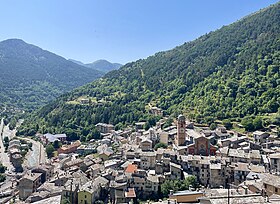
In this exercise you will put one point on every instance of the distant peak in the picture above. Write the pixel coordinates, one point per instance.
(103, 65)
(13, 40)
(101, 60)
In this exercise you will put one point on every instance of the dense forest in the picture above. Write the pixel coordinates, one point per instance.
(231, 73)
(31, 76)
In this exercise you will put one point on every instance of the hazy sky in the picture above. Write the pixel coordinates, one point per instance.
(117, 30)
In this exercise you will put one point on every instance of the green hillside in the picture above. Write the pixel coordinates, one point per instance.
(31, 76)
(229, 73)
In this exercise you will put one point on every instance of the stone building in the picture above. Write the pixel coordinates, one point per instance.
(28, 184)
(104, 128)
(202, 146)
(146, 145)
(181, 131)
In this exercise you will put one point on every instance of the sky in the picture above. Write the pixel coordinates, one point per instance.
(117, 30)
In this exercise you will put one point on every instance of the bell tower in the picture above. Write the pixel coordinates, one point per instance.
(181, 130)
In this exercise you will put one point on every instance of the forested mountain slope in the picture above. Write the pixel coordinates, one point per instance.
(229, 73)
(30, 76)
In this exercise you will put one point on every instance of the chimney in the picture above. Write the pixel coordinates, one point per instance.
(246, 190)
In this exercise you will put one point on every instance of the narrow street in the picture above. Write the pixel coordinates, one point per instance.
(5, 161)
(4, 158)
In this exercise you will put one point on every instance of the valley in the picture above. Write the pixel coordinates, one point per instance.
(199, 123)
(230, 74)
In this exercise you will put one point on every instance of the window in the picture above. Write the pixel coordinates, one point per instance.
(276, 190)
(85, 196)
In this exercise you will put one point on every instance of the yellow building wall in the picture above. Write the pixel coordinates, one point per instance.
(104, 157)
(84, 196)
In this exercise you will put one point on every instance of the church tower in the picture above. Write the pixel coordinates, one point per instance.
(181, 130)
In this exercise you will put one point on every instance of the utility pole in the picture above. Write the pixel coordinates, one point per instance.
(71, 192)
(228, 194)
(40, 152)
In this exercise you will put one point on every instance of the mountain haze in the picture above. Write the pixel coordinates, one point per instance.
(229, 73)
(100, 65)
(77, 62)
(31, 76)
(104, 65)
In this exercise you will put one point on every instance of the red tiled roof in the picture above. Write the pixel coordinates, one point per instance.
(130, 193)
(131, 168)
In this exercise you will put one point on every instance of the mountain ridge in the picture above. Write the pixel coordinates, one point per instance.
(31, 75)
(100, 65)
(230, 73)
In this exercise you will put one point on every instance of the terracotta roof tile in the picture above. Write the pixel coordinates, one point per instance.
(131, 168)
(130, 193)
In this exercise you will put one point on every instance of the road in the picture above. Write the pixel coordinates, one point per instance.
(36, 156)
(4, 158)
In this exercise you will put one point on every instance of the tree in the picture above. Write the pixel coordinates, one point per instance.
(276, 119)
(2, 168)
(119, 126)
(166, 187)
(247, 123)
(147, 126)
(278, 131)
(160, 145)
(2, 177)
(12, 124)
(30, 144)
(168, 122)
(65, 201)
(213, 126)
(257, 123)
(82, 138)
(49, 150)
(191, 181)
(94, 134)
(227, 123)
(6, 142)
(178, 185)
(56, 144)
